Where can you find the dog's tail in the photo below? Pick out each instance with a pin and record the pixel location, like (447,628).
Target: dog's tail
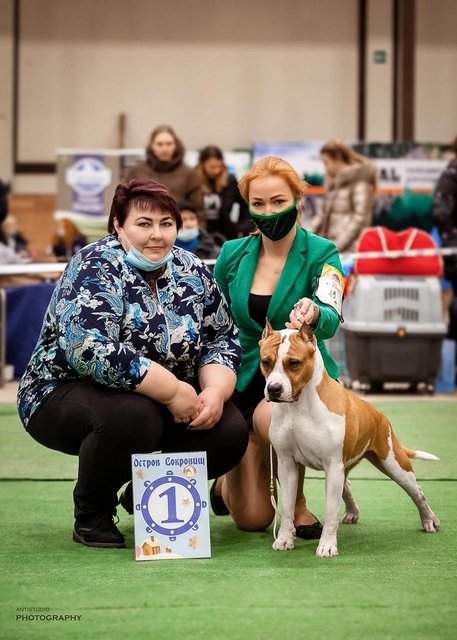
(419,455)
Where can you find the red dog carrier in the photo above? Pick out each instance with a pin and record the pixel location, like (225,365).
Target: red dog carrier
(382,239)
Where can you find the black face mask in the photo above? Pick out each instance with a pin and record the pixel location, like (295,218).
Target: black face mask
(277,225)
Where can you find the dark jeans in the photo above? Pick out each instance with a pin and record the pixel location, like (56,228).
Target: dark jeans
(105,426)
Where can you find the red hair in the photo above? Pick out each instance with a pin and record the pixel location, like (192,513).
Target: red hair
(272,166)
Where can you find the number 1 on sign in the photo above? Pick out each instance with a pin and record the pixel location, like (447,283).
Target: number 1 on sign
(171,497)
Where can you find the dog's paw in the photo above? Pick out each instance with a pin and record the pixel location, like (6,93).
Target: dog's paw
(327,550)
(284,542)
(350,517)
(431,525)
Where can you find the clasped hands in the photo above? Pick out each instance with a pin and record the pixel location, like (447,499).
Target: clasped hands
(199,411)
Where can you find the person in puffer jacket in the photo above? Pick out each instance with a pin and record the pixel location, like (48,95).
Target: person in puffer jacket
(350,188)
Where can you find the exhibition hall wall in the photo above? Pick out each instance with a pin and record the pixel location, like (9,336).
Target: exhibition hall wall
(224,73)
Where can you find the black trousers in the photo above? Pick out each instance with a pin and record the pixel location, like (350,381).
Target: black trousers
(105,426)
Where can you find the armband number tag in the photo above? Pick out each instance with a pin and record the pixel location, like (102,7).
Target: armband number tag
(330,288)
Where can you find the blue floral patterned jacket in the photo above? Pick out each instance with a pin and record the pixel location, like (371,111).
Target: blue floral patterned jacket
(104,324)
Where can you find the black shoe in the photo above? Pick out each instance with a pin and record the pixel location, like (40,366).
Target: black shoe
(309,531)
(126,499)
(217,502)
(99,532)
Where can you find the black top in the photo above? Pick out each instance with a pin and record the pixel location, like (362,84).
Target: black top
(247,400)
(258,307)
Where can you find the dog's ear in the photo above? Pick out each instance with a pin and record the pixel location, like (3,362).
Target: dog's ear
(307,334)
(268,330)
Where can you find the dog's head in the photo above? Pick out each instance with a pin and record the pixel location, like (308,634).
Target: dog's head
(286,361)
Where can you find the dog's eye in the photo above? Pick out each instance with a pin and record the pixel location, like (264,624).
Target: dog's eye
(265,363)
(293,364)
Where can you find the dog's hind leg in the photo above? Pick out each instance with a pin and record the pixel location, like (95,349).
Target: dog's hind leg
(288,480)
(397,466)
(351,515)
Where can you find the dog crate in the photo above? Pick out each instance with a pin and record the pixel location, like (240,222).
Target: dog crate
(335,347)
(393,330)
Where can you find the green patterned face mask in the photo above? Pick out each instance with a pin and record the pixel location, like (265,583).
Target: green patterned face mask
(277,225)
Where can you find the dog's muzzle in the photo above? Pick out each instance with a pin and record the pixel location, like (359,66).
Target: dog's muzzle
(274,391)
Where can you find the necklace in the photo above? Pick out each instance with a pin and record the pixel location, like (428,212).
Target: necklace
(274,266)
(277,267)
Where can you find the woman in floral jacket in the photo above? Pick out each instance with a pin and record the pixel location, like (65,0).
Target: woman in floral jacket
(138,353)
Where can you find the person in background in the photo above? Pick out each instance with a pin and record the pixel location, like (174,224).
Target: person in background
(165,163)
(349,193)
(225,210)
(283,273)
(445,218)
(138,353)
(67,240)
(14,250)
(11,236)
(10,256)
(4,190)
(193,238)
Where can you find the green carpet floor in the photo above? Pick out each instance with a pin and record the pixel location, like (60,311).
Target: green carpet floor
(22,457)
(390,581)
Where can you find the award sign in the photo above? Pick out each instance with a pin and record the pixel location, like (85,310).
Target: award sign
(170,496)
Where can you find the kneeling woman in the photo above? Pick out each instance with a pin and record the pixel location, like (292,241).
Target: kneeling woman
(287,275)
(138,353)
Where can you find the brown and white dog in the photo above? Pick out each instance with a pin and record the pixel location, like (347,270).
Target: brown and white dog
(317,423)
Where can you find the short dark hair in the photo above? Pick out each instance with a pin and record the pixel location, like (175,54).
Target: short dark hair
(185,205)
(145,194)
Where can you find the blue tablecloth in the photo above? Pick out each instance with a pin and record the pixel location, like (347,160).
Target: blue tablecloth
(25,309)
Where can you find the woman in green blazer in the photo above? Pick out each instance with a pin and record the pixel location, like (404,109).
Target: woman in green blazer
(281,273)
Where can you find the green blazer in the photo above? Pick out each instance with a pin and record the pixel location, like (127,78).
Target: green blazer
(234,271)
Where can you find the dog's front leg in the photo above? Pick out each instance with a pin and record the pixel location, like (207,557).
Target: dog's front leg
(288,479)
(334,482)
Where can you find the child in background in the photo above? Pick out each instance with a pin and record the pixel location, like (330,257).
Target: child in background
(192,237)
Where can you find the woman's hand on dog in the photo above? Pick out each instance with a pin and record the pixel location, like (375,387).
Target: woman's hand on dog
(305,310)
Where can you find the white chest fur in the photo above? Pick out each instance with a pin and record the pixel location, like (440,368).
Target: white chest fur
(307,429)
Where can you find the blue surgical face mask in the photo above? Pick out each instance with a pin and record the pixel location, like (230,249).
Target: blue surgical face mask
(186,235)
(138,260)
